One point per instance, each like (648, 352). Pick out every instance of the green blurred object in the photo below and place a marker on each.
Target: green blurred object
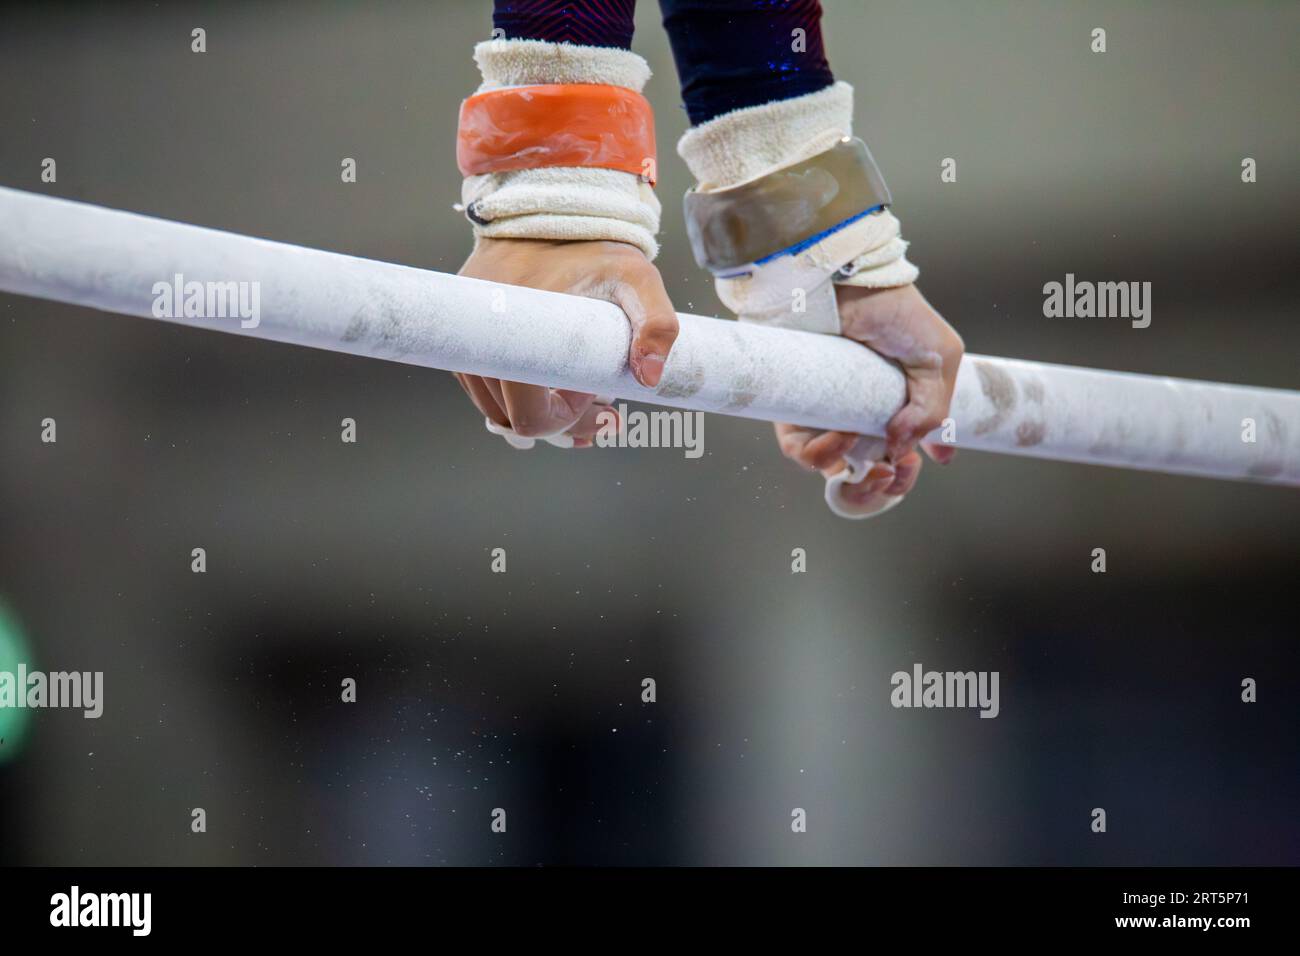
(13, 651)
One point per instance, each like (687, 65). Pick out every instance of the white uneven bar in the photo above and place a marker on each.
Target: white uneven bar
(110, 260)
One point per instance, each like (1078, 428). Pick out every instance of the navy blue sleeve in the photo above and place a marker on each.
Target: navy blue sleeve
(730, 53)
(736, 53)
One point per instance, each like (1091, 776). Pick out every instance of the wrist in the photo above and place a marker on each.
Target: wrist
(791, 146)
(562, 203)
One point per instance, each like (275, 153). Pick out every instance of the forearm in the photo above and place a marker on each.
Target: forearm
(731, 54)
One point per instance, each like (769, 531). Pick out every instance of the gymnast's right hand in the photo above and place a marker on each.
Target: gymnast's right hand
(614, 271)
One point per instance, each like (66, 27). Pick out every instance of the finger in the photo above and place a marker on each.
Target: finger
(867, 497)
(641, 295)
(928, 394)
(792, 438)
(483, 399)
(460, 380)
(941, 453)
(880, 471)
(593, 420)
(825, 452)
(493, 385)
(906, 472)
(537, 412)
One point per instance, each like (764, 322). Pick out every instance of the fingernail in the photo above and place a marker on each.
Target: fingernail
(880, 471)
(652, 369)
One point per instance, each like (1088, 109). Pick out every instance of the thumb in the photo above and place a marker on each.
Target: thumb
(640, 293)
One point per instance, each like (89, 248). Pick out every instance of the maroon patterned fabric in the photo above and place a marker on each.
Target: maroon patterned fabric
(586, 22)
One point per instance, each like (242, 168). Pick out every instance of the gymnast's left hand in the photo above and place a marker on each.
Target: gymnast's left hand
(899, 324)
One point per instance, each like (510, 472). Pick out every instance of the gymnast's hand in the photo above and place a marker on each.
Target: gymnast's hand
(899, 324)
(614, 271)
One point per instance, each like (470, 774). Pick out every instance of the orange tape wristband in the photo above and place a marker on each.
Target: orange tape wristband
(563, 124)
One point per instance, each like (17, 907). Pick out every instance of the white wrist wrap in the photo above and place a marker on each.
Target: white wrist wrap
(561, 202)
(748, 143)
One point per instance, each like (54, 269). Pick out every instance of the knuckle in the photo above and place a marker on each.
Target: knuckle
(953, 347)
(528, 428)
(901, 424)
(935, 413)
(665, 321)
(930, 422)
(660, 327)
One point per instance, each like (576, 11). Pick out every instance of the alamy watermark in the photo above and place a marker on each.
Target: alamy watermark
(1073, 299)
(130, 910)
(179, 299)
(922, 688)
(74, 690)
(656, 429)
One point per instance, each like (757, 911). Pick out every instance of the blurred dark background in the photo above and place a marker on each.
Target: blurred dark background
(479, 690)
